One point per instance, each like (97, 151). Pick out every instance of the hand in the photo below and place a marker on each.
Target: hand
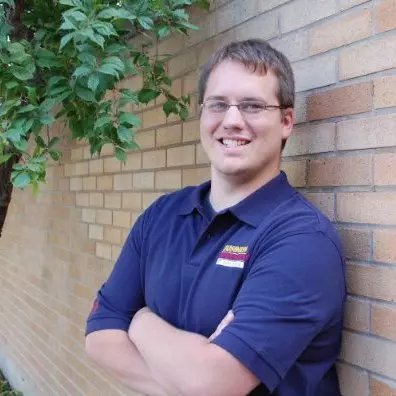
(225, 322)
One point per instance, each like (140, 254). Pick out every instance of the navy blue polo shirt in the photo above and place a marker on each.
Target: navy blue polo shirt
(273, 259)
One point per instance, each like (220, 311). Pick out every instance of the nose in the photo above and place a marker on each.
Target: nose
(233, 119)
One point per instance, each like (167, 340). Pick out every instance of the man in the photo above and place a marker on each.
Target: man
(245, 247)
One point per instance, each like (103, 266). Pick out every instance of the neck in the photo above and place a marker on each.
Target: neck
(227, 191)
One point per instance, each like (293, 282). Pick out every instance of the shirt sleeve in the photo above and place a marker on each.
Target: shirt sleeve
(293, 291)
(121, 296)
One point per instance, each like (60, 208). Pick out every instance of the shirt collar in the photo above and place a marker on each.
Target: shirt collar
(254, 208)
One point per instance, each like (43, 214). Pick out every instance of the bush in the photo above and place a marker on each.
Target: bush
(5, 388)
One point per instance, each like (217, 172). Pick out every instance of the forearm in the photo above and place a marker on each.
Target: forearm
(179, 360)
(120, 358)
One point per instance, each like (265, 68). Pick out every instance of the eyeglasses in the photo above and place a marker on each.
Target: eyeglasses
(247, 107)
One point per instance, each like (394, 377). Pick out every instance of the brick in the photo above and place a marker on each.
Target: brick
(122, 218)
(368, 57)
(385, 13)
(310, 139)
(77, 154)
(304, 12)
(112, 200)
(378, 131)
(132, 201)
(382, 387)
(154, 159)
(384, 246)
(88, 215)
(384, 92)
(353, 381)
(104, 216)
(96, 166)
(384, 169)
(150, 198)
(112, 235)
(95, 232)
(69, 170)
(191, 131)
(76, 184)
(340, 171)
(89, 183)
(315, 72)
(172, 45)
(383, 321)
(352, 99)
(294, 45)
(367, 207)
(112, 165)
(193, 177)
(200, 155)
(345, 4)
(179, 156)
(96, 199)
(207, 29)
(82, 199)
(153, 118)
(301, 108)
(190, 83)
(357, 315)
(168, 180)
(182, 63)
(370, 353)
(115, 252)
(341, 31)
(296, 172)
(265, 26)
(323, 201)
(372, 281)
(169, 135)
(123, 182)
(81, 168)
(104, 182)
(107, 149)
(356, 243)
(143, 180)
(103, 250)
(87, 152)
(133, 162)
(145, 140)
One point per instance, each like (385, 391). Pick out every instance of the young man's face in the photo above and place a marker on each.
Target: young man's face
(241, 144)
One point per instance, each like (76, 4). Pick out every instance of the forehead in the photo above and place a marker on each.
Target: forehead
(235, 80)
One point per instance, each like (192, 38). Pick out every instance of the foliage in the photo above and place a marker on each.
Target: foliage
(5, 388)
(61, 57)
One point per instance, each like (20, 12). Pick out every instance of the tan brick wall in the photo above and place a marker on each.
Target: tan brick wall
(59, 247)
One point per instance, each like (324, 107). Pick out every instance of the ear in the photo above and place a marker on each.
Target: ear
(287, 122)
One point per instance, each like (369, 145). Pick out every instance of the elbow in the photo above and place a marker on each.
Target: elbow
(92, 348)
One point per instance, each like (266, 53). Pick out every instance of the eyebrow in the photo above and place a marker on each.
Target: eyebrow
(245, 98)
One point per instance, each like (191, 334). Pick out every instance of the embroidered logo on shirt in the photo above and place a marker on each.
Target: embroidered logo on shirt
(233, 256)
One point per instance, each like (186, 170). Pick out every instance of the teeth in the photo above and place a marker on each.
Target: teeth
(234, 143)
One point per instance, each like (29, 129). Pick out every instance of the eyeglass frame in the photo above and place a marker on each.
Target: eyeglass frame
(237, 105)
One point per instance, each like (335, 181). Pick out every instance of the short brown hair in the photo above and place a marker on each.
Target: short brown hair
(257, 55)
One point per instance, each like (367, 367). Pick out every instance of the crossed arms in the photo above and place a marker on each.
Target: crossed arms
(157, 359)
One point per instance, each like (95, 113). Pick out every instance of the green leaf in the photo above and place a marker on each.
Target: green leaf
(163, 32)
(189, 25)
(54, 141)
(108, 69)
(85, 94)
(46, 119)
(22, 145)
(14, 135)
(67, 25)
(21, 181)
(48, 104)
(54, 155)
(5, 157)
(170, 107)
(116, 62)
(40, 142)
(27, 109)
(77, 15)
(23, 73)
(67, 2)
(130, 119)
(146, 95)
(83, 70)
(120, 13)
(10, 3)
(93, 82)
(146, 22)
(65, 40)
(116, 48)
(121, 154)
(100, 122)
(124, 134)
(57, 90)
(87, 58)
(105, 28)
(11, 84)
(183, 113)
(181, 14)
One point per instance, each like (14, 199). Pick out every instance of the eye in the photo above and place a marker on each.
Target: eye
(217, 106)
(252, 107)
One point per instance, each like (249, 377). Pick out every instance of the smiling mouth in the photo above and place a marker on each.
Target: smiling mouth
(233, 143)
